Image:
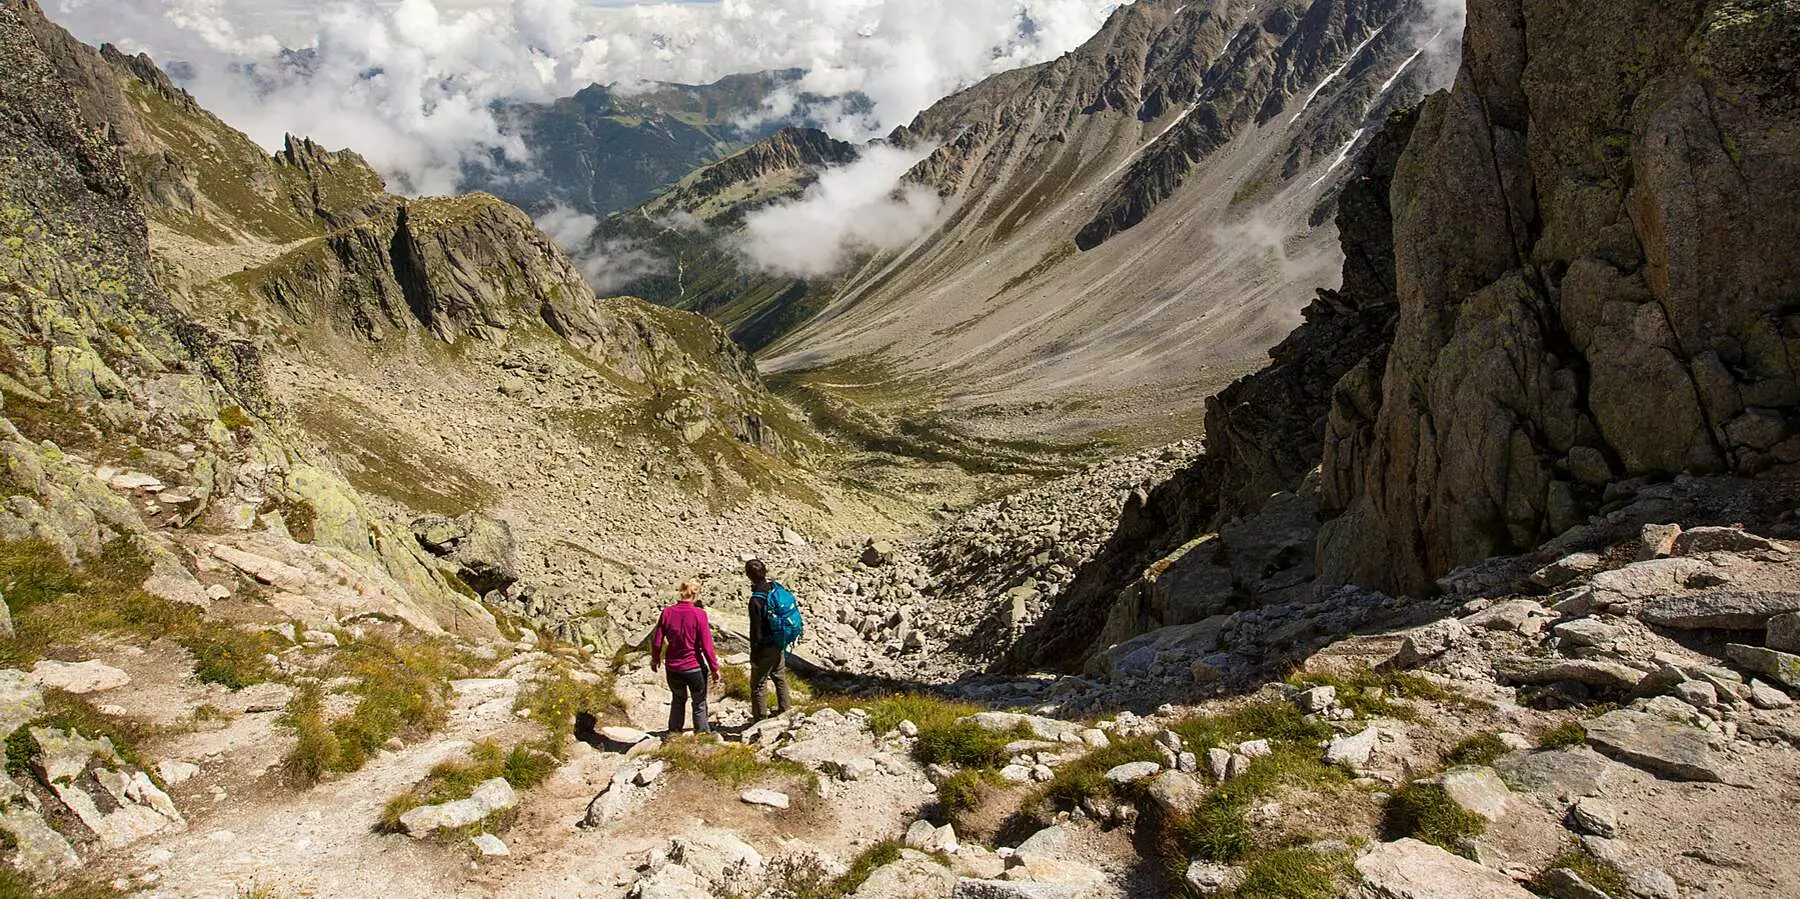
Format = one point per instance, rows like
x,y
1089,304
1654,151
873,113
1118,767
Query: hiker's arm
x,y
707,644
656,644
758,609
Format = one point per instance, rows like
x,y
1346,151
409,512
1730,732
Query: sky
x,y
409,83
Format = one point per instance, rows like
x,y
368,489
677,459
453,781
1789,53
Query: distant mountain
x,y
1125,229
609,148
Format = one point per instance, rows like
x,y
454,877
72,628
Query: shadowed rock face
x,y
1590,248
1580,265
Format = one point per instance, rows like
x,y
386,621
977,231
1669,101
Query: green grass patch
x,y
1297,873
1478,749
54,604
1261,720
1086,776
1371,693
960,793
1425,812
732,764
68,712
1564,736
734,683
1591,869
965,744
403,686
553,702
866,863
928,712
522,766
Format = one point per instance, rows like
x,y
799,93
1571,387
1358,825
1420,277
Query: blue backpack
x,y
781,616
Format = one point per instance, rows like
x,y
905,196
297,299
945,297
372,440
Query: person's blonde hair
x,y
690,589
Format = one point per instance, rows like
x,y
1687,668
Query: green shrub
x,y
1425,812
1217,830
1297,873
959,793
235,419
732,764
1479,749
928,712
68,712
1591,869
1564,735
402,686
963,743
522,766
866,863
554,700
1086,776
1262,720
53,604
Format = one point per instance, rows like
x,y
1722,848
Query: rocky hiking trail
x,y
1594,725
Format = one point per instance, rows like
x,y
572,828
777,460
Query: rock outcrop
x,y
1584,294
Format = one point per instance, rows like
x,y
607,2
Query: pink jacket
x,y
687,633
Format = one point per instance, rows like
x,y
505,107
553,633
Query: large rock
x,y
1578,771
1780,667
1040,727
1658,745
1478,789
1409,869
481,548
1422,644
20,700
1176,793
41,852
971,888
914,874
1723,609
1643,332
1598,673
80,678
490,797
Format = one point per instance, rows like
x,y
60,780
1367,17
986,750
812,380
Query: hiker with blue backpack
x,y
775,625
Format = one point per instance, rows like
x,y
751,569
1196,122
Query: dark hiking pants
x,y
686,686
768,663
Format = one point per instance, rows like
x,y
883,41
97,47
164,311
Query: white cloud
x,y
568,228
409,83
858,208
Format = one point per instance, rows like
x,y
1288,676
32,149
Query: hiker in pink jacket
x,y
683,639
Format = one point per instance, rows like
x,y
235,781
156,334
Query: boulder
x,y
1132,772
1207,878
1353,750
1779,667
1175,792
80,678
489,797
481,548
40,852
1694,541
1598,673
1563,883
1656,541
1316,700
1478,789
489,845
877,553
769,798
1409,869
1658,745
1595,817
1764,696
720,857
1422,644
20,700
1587,632
1040,727
914,874
1720,609
970,888
1784,633
1566,569
1577,771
